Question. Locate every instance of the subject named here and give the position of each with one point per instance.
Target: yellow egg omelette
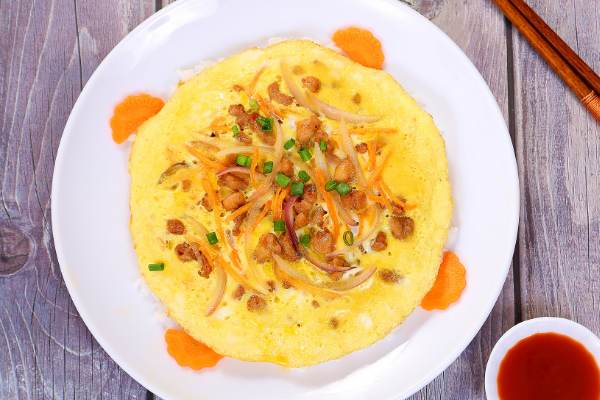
(289, 205)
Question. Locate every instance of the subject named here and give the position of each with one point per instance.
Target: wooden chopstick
(585, 93)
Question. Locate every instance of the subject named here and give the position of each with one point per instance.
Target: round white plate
(90, 212)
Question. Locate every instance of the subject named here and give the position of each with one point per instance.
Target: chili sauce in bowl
(545, 358)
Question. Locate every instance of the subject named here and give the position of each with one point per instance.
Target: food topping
(401, 227)
(131, 113)
(380, 242)
(234, 201)
(274, 94)
(311, 83)
(448, 285)
(361, 46)
(189, 352)
(256, 303)
(344, 172)
(175, 227)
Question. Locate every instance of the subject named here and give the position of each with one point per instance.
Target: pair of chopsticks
(582, 80)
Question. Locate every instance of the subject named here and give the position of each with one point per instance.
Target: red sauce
(548, 366)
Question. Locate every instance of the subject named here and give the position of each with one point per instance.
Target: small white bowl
(524, 329)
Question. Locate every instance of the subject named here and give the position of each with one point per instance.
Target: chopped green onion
(253, 104)
(156, 267)
(331, 185)
(212, 238)
(323, 145)
(297, 189)
(282, 180)
(268, 167)
(279, 226)
(236, 130)
(266, 123)
(343, 188)
(305, 240)
(348, 238)
(244, 161)
(304, 154)
(289, 144)
(304, 176)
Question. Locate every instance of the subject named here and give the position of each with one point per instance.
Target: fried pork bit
(317, 217)
(401, 227)
(306, 202)
(286, 167)
(335, 276)
(355, 200)
(238, 221)
(272, 286)
(242, 137)
(266, 137)
(206, 203)
(231, 160)
(356, 98)
(285, 284)
(275, 94)
(238, 292)
(301, 220)
(289, 253)
(234, 201)
(243, 119)
(397, 210)
(186, 185)
(389, 276)
(171, 171)
(236, 110)
(268, 244)
(185, 252)
(233, 182)
(344, 172)
(315, 304)
(322, 242)
(205, 268)
(306, 129)
(297, 70)
(311, 83)
(334, 323)
(256, 303)
(380, 242)
(175, 227)
(238, 88)
(362, 148)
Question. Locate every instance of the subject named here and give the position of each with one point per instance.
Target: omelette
(289, 205)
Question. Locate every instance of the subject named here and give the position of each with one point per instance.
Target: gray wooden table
(50, 48)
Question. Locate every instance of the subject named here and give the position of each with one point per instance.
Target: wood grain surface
(50, 48)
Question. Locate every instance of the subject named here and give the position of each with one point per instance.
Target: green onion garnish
(244, 161)
(268, 167)
(305, 240)
(236, 130)
(266, 123)
(304, 154)
(323, 145)
(289, 144)
(279, 226)
(253, 104)
(348, 238)
(329, 186)
(343, 188)
(282, 180)
(297, 189)
(304, 176)
(156, 267)
(212, 238)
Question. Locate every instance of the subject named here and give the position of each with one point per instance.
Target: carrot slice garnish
(254, 81)
(330, 205)
(239, 211)
(379, 169)
(264, 212)
(369, 131)
(448, 285)
(361, 46)
(205, 160)
(253, 167)
(131, 113)
(189, 352)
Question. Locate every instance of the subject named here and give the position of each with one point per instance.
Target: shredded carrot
(376, 199)
(372, 152)
(254, 81)
(189, 352)
(279, 205)
(386, 201)
(178, 177)
(448, 285)
(214, 202)
(369, 131)
(253, 167)
(379, 170)
(282, 276)
(239, 211)
(330, 204)
(217, 121)
(203, 159)
(273, 212)
(411, 206)
(361, 46)
(361, 223)
(264, 212)
(131, 113)
(267, 106)
(386, 189)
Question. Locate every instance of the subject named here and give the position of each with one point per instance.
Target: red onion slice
(336, 114)
(300, 99)
(243, 170)
(197, 225)
(362, 240)
(350, 283)
(350, 151)
(220, 285)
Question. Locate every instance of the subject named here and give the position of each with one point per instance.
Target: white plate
(90, 212)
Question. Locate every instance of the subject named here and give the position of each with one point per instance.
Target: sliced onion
(231, 240)
(300, 99)
(171, 171)
(322, 265)
(243, 170)
(321, 163)
(361, 240)
(244, 150)
(350, 151)
(276, 160)
(220, 285)
(336, 114)
(197, 225)
(350, 283)
(215, 142)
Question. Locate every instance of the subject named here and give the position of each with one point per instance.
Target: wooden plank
(558, 154)
(45, 349)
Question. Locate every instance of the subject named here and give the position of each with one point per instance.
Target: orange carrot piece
(189, 352)
(239, 211)
(282, 276)
(268, 106)
(214, 202)
(217, 121)
(253, 167)
(254, 81)
(372, 152)
(376, 199)
(205, 160)
(386, 201)
(361, 46)
(369, 131)
(411, 206)
(361, 225)
(131, 113)
(274, 211)
(279, 205)
(389, 193)
(181, 176)
(330, 205)
(264, 212)
(379, 170)
(448, 285)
